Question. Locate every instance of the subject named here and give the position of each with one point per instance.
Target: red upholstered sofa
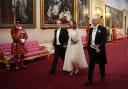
(34, 50)
(120, 35)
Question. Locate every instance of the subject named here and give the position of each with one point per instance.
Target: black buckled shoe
(86, 83)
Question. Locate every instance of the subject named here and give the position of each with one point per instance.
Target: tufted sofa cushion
(32, 46)
(5, 48)
(120, 35)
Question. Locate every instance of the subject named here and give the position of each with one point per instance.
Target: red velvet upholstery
(120, 35)
(33, 49)
(5, 48)
(32, 45)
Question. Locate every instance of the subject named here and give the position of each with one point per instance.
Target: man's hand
(98, 50)
(65, 46)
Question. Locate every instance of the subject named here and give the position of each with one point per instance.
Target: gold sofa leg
(6, 60)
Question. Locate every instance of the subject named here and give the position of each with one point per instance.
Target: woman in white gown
(74, 57)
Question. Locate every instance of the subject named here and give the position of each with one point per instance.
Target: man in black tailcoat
(96, 49)
(60, 42)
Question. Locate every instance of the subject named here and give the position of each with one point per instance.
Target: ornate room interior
(39, 19)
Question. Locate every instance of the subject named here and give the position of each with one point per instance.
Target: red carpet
(36, 76)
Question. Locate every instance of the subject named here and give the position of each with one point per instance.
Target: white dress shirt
(94, 36)
(57, 36)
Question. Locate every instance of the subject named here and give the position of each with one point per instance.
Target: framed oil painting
(117, 18)
(83, 13)
(10, 10)
(108, 16)
(52, 10)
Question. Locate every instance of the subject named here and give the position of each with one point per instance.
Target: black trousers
(59, 52)
(92, 66)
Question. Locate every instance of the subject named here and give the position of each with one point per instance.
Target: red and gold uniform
(19, 37)
(87, 32)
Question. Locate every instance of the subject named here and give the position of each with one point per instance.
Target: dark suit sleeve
(54, 39)
(104, 38)
(66, 36)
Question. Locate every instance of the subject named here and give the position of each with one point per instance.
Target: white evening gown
(74, 52)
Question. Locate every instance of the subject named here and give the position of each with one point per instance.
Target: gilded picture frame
(83, 13)
(10, 10)
(117, 18)
(52, 10)
(108, 18)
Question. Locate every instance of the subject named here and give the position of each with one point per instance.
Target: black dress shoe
(87, 82)
(17, 68)
(24, 67)
(103, 78)
(51, 72)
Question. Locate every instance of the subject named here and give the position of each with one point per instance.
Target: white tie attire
(94, 36)
(57, 36)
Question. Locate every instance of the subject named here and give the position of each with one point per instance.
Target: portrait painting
(52, 10)
(83, 13)
(117, 18)
(10, 10)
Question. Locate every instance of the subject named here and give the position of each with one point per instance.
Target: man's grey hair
(96, 17)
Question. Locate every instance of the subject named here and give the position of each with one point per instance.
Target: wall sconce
(98, 12)
(108, 14)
